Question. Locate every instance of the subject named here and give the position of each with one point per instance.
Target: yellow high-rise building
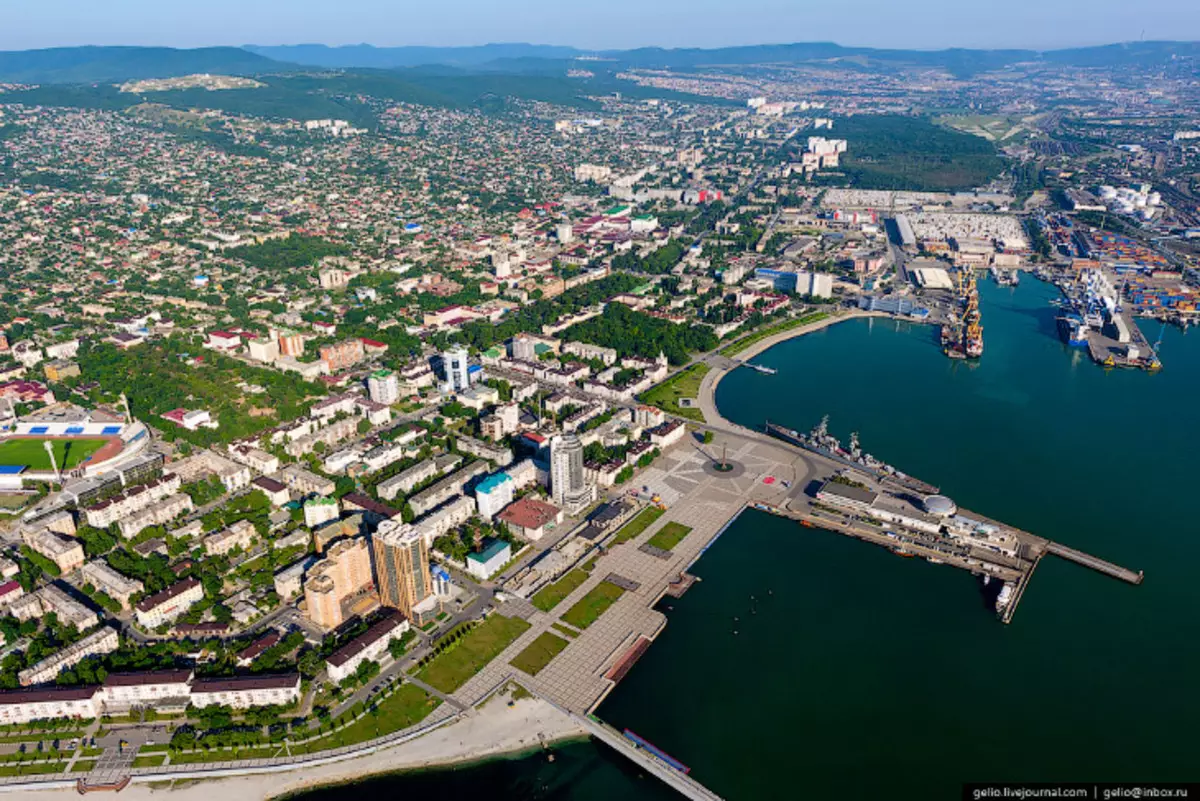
(401, 566)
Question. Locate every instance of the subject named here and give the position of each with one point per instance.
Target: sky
(610, 24)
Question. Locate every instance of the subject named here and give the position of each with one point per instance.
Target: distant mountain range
(526, 57)
(72, 65)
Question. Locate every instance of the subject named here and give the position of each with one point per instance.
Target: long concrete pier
(676, 779)
(1095, 563)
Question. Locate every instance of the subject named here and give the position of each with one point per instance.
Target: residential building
(243, 692)
(484, 450)
(66, 553)
(401, 566)
(276, 491)
(456, 483)
(165, 606)
(102, 641)
(48, 703)
(343, 573)
(406, 481)
(156, 514)
(567, 483)
(456, 367)
(70, 612)
(372, 645)
(239, 535)
(493, 494)
(445, 518)
(115, 585)
(306, 482)
(383, 386)
(343, 355)
(154, 689)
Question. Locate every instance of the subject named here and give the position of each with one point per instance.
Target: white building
(384, 386)
(493, 494)
(456, 366)
(487, 562)
(243, 692)
(154, 688)
(371, 645)
(51, 703)
(165, 606)
(101, 641)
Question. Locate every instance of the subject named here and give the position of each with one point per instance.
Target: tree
(708, 437)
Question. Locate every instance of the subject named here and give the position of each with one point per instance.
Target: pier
(674, 778)
(1095, 563)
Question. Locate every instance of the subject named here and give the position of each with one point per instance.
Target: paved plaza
(697, 497)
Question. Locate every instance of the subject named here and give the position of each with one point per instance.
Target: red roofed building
(224, 340)
(374, 347)
(529, 517)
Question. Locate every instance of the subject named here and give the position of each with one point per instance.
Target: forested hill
(116, 64)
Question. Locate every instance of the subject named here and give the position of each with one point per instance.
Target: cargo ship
(1073, 330)
(821, 442)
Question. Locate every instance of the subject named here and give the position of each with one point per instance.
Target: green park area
(69, 453)
(539, 653)
(770, 331)
(549, 596)
(638, 524)
(686, 384)
(669, 536)
(405, 706)
(591, 606)
(470, 653)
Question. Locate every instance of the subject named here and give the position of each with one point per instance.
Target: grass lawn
(539, 653)
(149, 761)
(454, 667)
(83, 766)
(742, 344)
(33, 768)
(32, 452)
(549, 596)
(669, 536)
(221, 755)
(638, 524)
(684, 385)
(406, 706)
(561, 629)
(593, 605)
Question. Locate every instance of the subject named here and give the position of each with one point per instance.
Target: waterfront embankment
(495, 730)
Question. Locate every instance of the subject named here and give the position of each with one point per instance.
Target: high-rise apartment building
(567, 482)
(345, 571)
(456, 367)
(401, 566)
(384, 387)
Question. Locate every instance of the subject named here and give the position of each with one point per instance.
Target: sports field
(32, 452)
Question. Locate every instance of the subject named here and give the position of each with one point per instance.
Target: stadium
(84, 443)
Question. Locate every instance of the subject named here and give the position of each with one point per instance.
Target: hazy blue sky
(603, 24)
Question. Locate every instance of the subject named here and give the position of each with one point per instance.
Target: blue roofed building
(493, 494)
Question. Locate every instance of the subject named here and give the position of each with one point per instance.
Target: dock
(1095, 563)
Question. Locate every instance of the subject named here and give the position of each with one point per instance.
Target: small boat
(762, 369)
(931, 560)
(902, 552)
